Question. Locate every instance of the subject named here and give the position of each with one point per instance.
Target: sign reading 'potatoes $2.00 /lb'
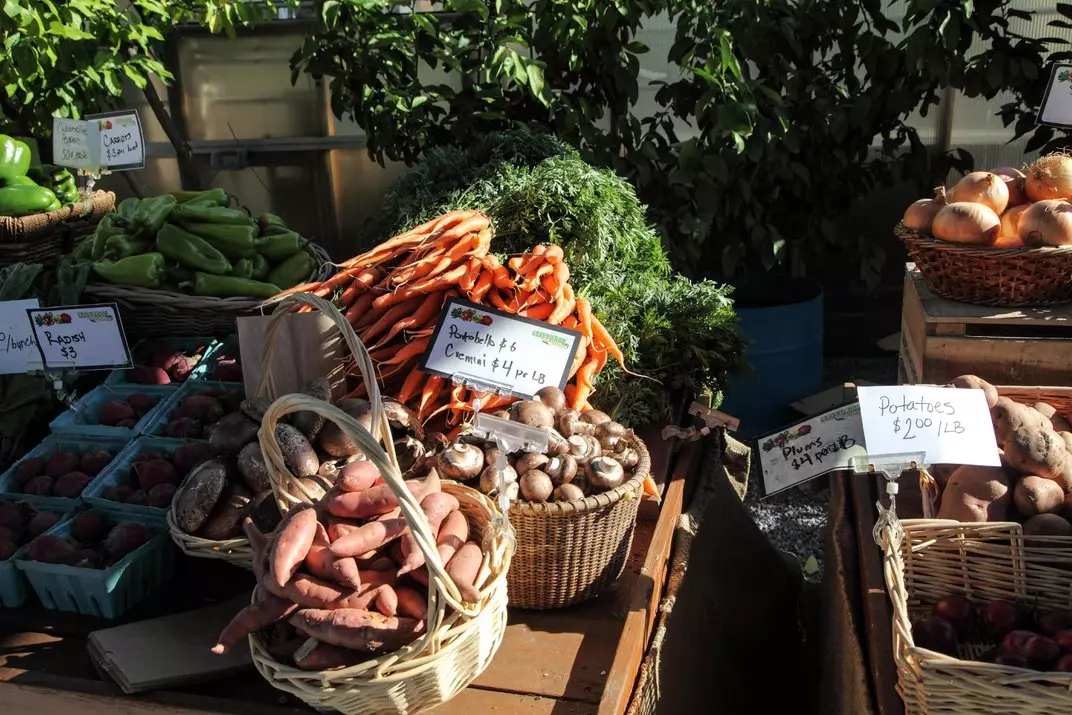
(493, 350)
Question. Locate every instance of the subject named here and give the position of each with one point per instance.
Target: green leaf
(68, 31)
(330, 13)
(535, 75)
(729, 62)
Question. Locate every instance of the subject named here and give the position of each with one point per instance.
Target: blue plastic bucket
(782, 322)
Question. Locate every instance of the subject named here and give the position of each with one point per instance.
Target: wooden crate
(941, 339)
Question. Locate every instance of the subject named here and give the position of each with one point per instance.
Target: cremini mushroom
(536, 486)
(595, 417)
(501, 414)
(409, 452)
(402, 419)
(567, 492)
(627, 457)
(490, 479)
(532, 413)
(552, 397)
(604, 473)
(460, 461)
(609, 434)
(529, 461)
(491, 454)
(562, 469)
(569, 424)
(583, 447)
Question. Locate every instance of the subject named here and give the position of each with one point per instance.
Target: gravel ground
(795, 520)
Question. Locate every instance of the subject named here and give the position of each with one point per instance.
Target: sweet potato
(463, 569)
(971, 382)
(267, 610)
(1046, 525)
(453, 533)
(387, 601)
(411, 603)
(292, 544)
(436, 506)
(976, 494)
(319, 559)
(346, 572)
(89, 527)
(371, 502)
(373, 535)
(1029, 443)
(258, 543)
(357, 476)
(1035, 495)
(311, 592)
(125, 538)
(314, 655)
(357, 629)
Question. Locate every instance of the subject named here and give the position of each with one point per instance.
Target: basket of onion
(1000, 237)
(573, 508)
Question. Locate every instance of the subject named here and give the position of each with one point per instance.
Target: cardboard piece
(306, 345)
(170, 651)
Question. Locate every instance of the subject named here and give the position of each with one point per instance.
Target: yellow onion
(1010, 228)
(966, 222)
(982, 187)
(920, 214)
(1049, 178)
(1014, 182)
(1047, 223)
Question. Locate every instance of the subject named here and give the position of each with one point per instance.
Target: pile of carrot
(393, 294)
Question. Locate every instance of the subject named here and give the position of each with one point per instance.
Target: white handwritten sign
(1056, 108)
(948, 425)
(18, 348)
(80, 337)
(809, 449)
(122, 145)
(495, 350)
(75, 144)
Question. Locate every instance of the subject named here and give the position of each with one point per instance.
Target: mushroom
(491, 454)
(583, 447)
(552, 397)
(532, 413)
(604, 473)
(568, 492)
(402, 419)
(536, 486)
(562, 470)
(501, 414)
(529, 461)
(409, 452)
(626, 456)
(489, 479)
(461, 461)
(595, 417)
(609, 434)
(569, 423)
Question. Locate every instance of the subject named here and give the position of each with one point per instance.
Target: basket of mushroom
(573, 508)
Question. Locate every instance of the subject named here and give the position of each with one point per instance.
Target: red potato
(387, 601)
(372, 502)
(292, 544)
(436, 506)
(267, 610)
(373, 535)
(357, 476)
(358, 629)
(463, 569)
(188, 456)
(314, 655)
(141, 404)
(411, 603)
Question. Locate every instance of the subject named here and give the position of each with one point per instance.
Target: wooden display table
(581, 660)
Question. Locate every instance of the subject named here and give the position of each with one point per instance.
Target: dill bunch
(681, 335)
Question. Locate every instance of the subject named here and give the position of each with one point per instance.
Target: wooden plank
(641, 619)
(940, 310)
(999, 360)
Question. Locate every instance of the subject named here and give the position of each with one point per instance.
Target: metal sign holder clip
(890, 466)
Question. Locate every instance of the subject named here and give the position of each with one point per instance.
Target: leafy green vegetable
(681, 335)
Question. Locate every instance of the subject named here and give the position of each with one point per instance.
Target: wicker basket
(160, 313)
(982, 562)
(40, 238)
(991, 276)
(460, 639)
(234, 551)
(568, 552)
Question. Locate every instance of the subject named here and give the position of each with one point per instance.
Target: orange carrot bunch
(393, 294)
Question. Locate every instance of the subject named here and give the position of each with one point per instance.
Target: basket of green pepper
(187, 263)
(42, 213)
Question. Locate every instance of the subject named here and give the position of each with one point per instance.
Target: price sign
(121, 142)
(80, 337)
(950, 426)
(18, 347)
(1056, 108)
(75, 144)
(509, 353)
(824, 443)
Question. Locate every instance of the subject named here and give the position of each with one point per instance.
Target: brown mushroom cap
(529, 461)
(595, 417)
(532, 413)
(460, 461)
(489, 479)
(627, 457)
(584, 447)
(536, 486)
(609, 434)
(568, 492)
(604, 473)
(569, 423)
(552, 397)
(562, 470)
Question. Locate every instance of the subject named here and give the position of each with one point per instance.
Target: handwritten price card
(75, 143)
(495, 350)
(950, 426)
(809, 449)
(1056, 108)
(122, 145)
(80, 337)
(18, 348)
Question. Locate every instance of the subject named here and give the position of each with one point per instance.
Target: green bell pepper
(14, 158)
(197, 212)
(83, 251)
(231, 240)
(26, 200)
(219, 197)
(57, 178)
(274, 230)
(191, 251)
(128, 207)
(106, 228)
(260, 267)
(121, 246)
(150, 216)
(243, 268)
(21, 181)
(144, 271)
(292, 271)
(266, 220)
(280, 247)
(231, 287)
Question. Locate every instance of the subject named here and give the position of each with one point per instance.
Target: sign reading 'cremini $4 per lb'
(80, 337)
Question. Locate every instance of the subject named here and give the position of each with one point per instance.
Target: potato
(1029, 443)
(310, 423)
(1059, 423)
(1046, 525)
(232, 433)
(225, 520)
(1035, 495)
(971, 382)
(253, 469)
(197, 498)
(332, 440)
(298, 453)
(976, 494)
